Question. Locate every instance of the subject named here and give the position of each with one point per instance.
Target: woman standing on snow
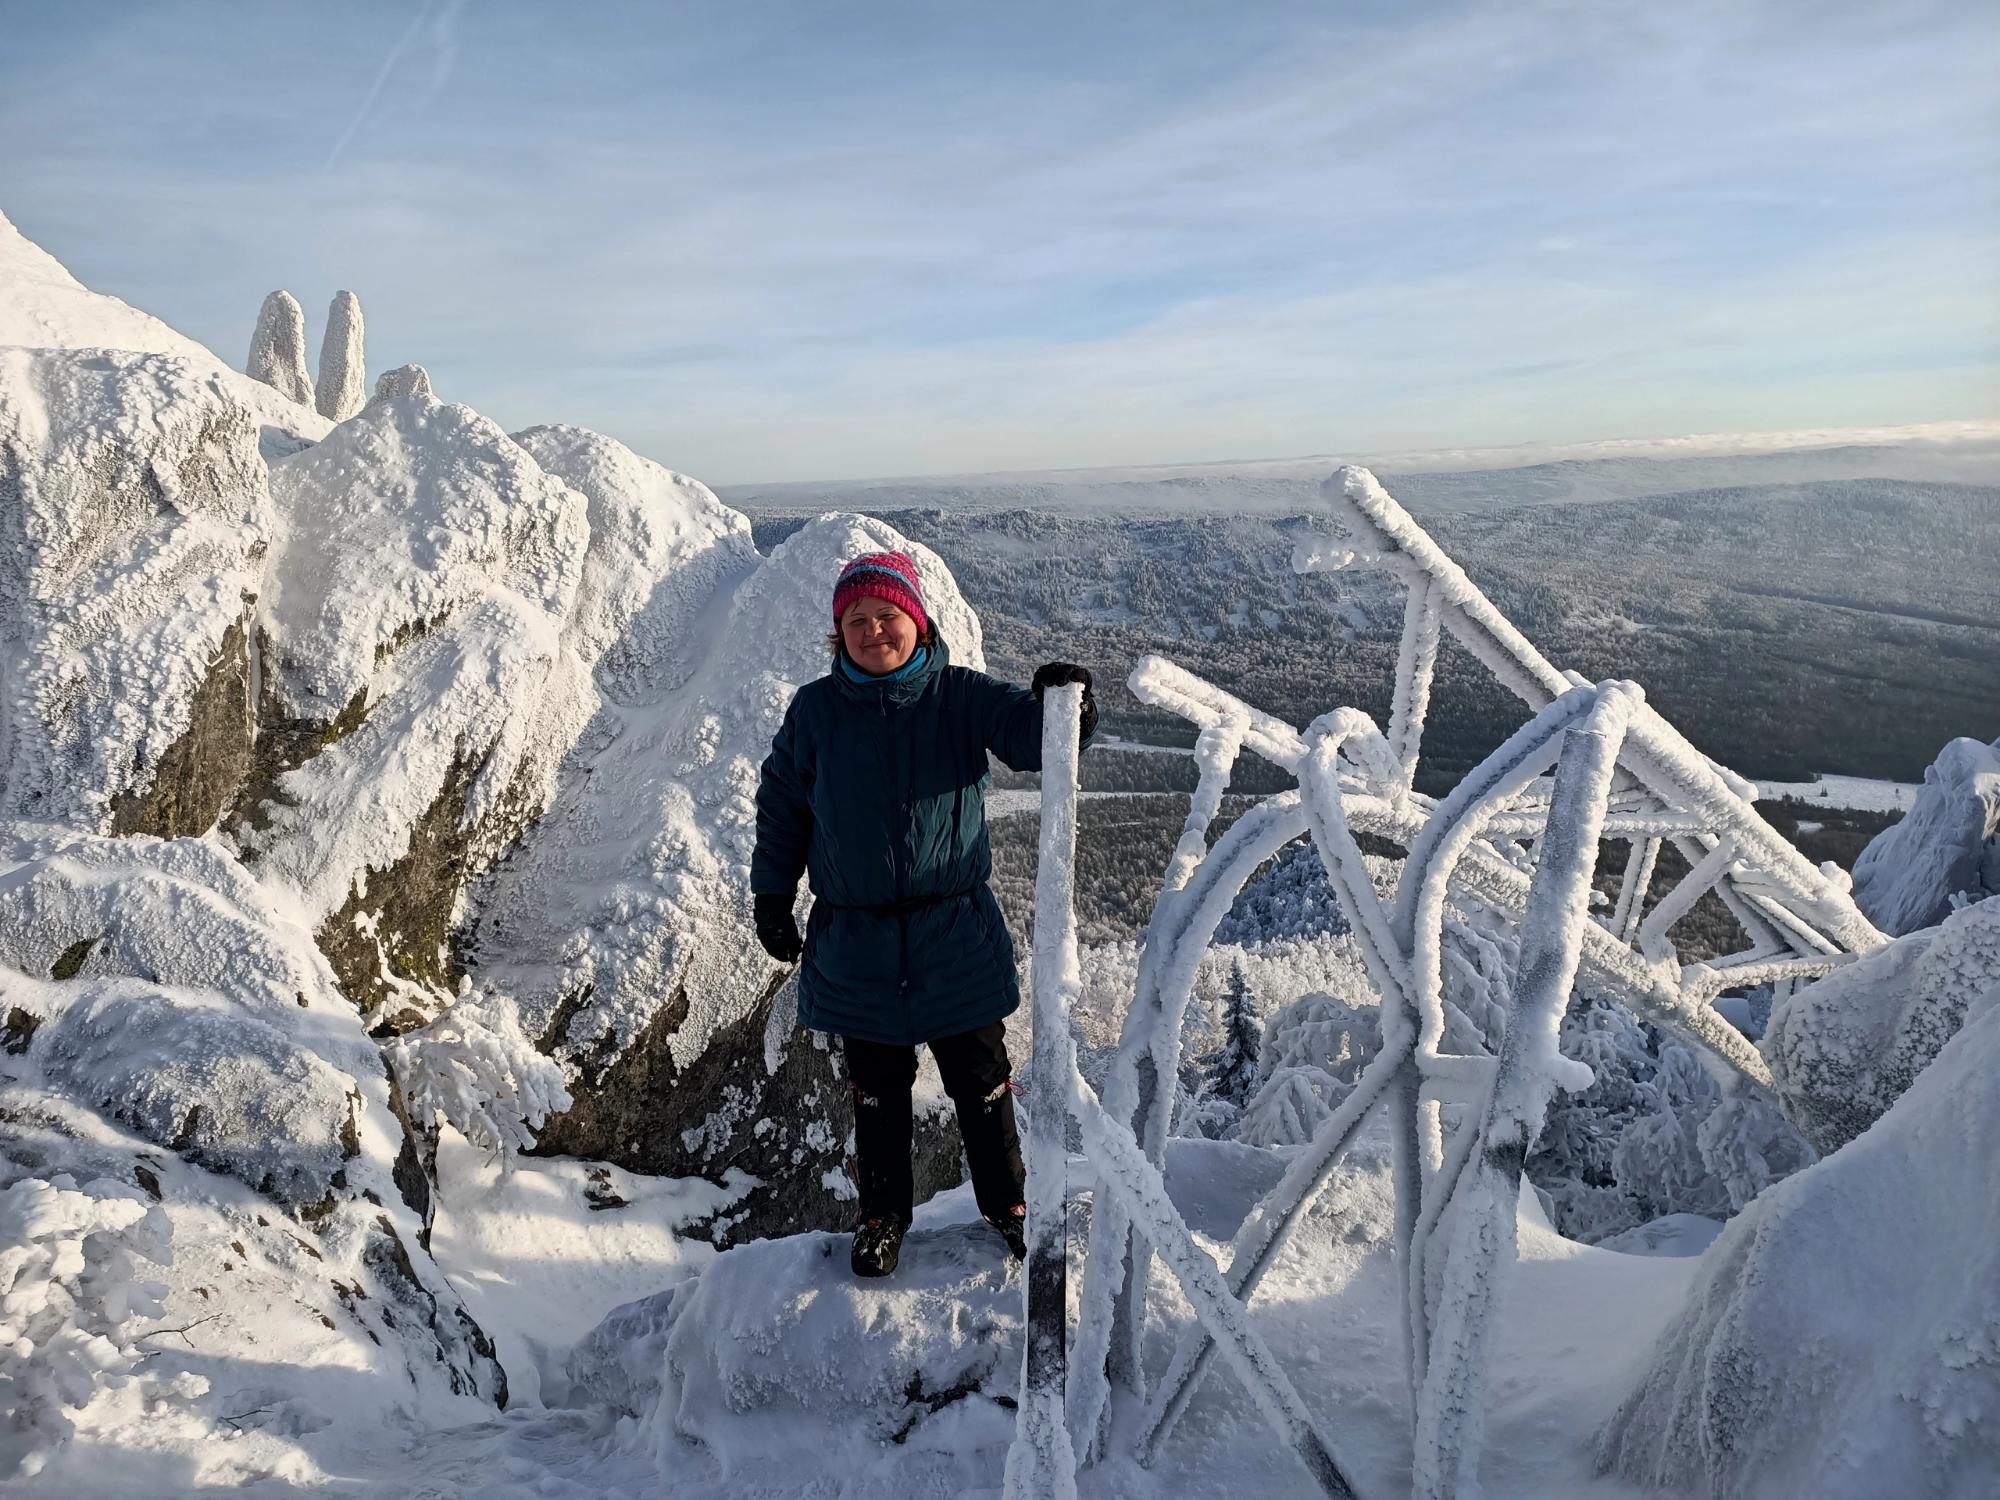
(874, 787)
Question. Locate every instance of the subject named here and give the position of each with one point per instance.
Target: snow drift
(1844, 1049)
(1817, 1355)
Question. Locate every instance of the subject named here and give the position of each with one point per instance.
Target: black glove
(1058, 673)
(776, 928)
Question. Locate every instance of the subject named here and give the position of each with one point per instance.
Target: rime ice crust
(133, 500)
(1845, 1049)
(343, 360)
(278, 349)
(1760, 1387)
(1946, 848)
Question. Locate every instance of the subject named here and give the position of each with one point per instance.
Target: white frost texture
(426, 566)
(1946, 849)
(1843, 1339)
(278, 349)
(1845, 1048)
(343, 360)
(134, 511)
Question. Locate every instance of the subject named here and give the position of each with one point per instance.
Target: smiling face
(877, 636)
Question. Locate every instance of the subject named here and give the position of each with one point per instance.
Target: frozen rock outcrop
(343, 360)
(153, 987)
(771, 1326)
(404, 380)
(418, 608)
(1817, 1355)
(1945, 850)
(133, 504)
(278, 349)
(1844, 1049)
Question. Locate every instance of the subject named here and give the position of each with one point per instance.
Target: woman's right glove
(777, 929)
(1059, 673)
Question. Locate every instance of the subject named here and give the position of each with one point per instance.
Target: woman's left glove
(777, 929)
(1056, 674)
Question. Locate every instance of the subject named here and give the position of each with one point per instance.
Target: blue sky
(766, 241)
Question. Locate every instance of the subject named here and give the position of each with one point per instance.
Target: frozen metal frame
(1510, 837)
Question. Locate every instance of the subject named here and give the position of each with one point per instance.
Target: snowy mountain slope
(42, 306)
(1843, 1340)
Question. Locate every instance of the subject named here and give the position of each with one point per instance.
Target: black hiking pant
(975, 1071)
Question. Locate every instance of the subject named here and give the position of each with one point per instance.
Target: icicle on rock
(343, 366)
(404, 380)
(278, 348)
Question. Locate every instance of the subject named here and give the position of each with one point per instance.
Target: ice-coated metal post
(1042, 1461)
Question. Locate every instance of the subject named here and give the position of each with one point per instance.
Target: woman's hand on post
(777, 929)
(1057, 674)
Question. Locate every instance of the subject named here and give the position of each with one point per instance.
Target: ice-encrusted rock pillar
(404, 380)
(278, 348)
(343, 365)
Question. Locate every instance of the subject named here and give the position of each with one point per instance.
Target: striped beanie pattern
(882, 575)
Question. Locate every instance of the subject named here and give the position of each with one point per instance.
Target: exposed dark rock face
(400, 925)
(786, 1128)
(203, 771)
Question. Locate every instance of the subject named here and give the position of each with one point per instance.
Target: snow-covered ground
(1855, 793)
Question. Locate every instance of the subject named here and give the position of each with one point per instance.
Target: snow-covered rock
(1946, 848)
(343, 360)
(42, 306)
(134, 507)
(1843, 1340)
(278, 349)
(782, 1329)
(168, 1022)
(1845, 1048)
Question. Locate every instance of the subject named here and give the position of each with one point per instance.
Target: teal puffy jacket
(876, 791)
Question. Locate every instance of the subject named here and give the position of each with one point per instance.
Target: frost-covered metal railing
(1518, 837)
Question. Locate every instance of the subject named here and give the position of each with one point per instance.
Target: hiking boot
(1013, 1229)
(878, 1243)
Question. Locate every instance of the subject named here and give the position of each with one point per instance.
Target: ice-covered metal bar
(1041, 1461)
(1450, 1412)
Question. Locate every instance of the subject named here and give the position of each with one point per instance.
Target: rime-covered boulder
(1843, 1338)
(278, 349)
(404, 380)
(1845, 1048)
(343, 361)
(1945, 849)
(135, 514)
(168, 1022)
(427, 571)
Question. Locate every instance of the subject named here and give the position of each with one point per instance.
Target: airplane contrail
(375, 88)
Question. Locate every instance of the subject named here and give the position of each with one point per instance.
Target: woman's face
(878, 636)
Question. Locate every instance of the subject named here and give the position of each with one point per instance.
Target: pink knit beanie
(882, 575)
